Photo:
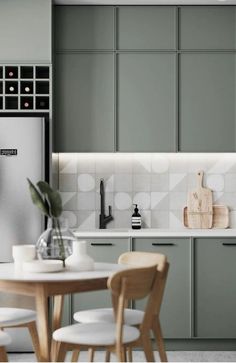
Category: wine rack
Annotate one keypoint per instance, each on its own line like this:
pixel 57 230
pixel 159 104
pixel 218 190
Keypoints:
pixel 25 88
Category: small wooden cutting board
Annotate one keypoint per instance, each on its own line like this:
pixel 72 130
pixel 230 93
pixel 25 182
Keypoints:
pixel 200 205
pixel 220 216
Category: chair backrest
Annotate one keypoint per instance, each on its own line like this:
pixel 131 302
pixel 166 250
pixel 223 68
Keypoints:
pixel 132 283
pixel 146 259
pixel 143 259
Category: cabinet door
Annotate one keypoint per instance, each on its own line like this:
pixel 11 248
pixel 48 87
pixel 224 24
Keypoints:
pixel 25 31
pixel 146 27
pixel 102 250
pixel 207 102
pixel 146 102
pixel 207 27
pixel 175 310
pixel 215 288
pixel 84 103
pixel 84 27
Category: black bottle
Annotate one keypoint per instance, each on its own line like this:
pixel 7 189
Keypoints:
pixel 136 218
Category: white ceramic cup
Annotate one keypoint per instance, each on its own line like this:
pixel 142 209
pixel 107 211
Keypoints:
pixel 23 253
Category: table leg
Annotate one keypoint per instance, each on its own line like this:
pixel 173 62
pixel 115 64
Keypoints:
pixel 43 322
pixel 56 322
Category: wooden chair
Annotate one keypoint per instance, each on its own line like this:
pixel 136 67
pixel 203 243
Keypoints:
pixel 134 317
pixel 132 283
pixel 21 318
pixel 4 340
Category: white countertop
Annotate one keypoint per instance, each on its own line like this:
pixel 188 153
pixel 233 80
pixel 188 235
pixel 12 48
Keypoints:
pixel 155 232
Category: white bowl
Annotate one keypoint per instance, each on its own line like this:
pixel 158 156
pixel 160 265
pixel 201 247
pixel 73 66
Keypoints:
pixel 43 266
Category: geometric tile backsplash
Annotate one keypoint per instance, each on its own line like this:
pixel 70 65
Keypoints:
pixel 158 183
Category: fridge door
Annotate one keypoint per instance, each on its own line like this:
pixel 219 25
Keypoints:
pixel 21 157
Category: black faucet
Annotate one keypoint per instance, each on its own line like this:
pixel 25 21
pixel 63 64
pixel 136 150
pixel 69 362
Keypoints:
pixel 103 219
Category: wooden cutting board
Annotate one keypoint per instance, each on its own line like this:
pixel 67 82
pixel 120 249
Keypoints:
pixel 220 216
pixel 200 205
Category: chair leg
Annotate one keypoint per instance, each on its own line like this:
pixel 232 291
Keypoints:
pixel 147 347
pixel 35 339
pixel 159 339
pixel 120 351
pixel 91 352
pixel 75 355
pixel 130 354
pixel 108 355
pixel 3 355
pixel 61 352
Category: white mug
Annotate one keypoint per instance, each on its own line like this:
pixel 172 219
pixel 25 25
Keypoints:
pixel 23 253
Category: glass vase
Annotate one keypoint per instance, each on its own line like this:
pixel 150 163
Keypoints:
pixel 55 243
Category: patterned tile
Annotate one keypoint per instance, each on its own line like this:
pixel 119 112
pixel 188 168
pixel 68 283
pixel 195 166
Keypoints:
pixel 157 183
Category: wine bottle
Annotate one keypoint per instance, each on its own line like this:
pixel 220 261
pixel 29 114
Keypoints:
pixel 11 72
pixel 26 103
pixel 26 87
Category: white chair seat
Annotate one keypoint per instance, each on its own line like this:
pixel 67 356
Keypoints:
pixel 132 317
pixel 101 334
pixel 14 316
pixel 4 339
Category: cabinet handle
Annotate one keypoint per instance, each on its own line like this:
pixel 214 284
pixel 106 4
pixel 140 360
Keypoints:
pixel 228 244
pixel 163 244
pixel 101 244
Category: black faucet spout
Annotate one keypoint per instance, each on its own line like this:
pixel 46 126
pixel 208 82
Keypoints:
pixel 103 219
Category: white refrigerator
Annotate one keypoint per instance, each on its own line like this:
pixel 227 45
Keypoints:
pixel 22 155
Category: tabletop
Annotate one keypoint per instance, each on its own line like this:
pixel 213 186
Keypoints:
pixel 101 270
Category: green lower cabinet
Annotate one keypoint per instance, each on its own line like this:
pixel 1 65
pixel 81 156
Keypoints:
pixel 102 250
pixel 215 287
pixel 176 306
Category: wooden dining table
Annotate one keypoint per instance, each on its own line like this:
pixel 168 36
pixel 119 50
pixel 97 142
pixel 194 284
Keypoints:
pixel 42 286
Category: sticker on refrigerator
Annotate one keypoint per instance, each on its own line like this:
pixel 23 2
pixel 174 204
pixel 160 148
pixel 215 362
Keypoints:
pixel 8 152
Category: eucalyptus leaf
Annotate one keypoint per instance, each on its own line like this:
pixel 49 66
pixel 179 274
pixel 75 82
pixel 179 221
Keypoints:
pixel 53 199
pixel 55 203
pixel 37 199
pixel 44 187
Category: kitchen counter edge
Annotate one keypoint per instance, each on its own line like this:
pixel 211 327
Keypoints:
pixel 130 233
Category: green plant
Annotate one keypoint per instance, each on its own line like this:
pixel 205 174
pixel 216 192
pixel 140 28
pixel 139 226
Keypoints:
pixel 49 203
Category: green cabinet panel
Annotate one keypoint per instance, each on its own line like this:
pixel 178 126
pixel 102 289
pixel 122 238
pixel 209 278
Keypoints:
pixel 207 27
pixel 102 250
pixel 25 31
pixel 84 27
pixel 146 27
pixel 84 103
pixel 215 288
pixel 176 307
pixel 207 102
pixel 146 102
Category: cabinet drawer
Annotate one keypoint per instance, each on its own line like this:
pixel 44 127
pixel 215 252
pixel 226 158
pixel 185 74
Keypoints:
pixel 176 306
pixel 101 250
pixel 215 287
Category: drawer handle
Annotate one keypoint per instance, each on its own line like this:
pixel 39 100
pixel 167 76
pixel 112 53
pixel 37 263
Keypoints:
pixel 228 244
pixel 163 244
pixel 101 244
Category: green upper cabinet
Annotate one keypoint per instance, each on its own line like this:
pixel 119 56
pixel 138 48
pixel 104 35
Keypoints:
pixel 146 27
pixel 215 289
pixel 146 102
pixel 25 31
pixel 207 102
pixel 84 27
pixel 84 103
pixel 208 27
